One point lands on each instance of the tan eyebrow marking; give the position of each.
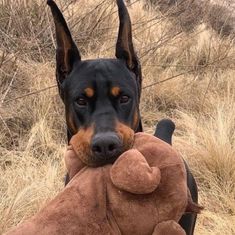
(115, 91)
(89, 92)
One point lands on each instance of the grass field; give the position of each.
(190, 59)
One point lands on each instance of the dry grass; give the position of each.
(199, 96)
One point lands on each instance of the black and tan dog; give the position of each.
(102, 97)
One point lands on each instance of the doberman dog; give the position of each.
(102, 96)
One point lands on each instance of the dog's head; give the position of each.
(101, 96)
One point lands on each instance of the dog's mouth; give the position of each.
(88, 157)
(101, 149)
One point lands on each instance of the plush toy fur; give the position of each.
(143, 192)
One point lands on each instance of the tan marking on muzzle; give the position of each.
(126, 135)
(81, 143)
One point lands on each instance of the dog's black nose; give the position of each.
(106, 145)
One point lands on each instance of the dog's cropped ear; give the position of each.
(66, 52)
(124, 47)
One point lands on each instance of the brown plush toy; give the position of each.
(143, 192)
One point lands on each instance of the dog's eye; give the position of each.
(124, 99)
(81, 102)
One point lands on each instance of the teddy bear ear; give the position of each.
(132, 173)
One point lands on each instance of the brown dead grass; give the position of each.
(199, 96)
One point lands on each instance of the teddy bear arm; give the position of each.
(169, 227)
(132, 173)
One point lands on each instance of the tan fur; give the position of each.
(71, 123)
(81, 143)
(89, 92)
(126, 134)
(115, 91)
(135, 120)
